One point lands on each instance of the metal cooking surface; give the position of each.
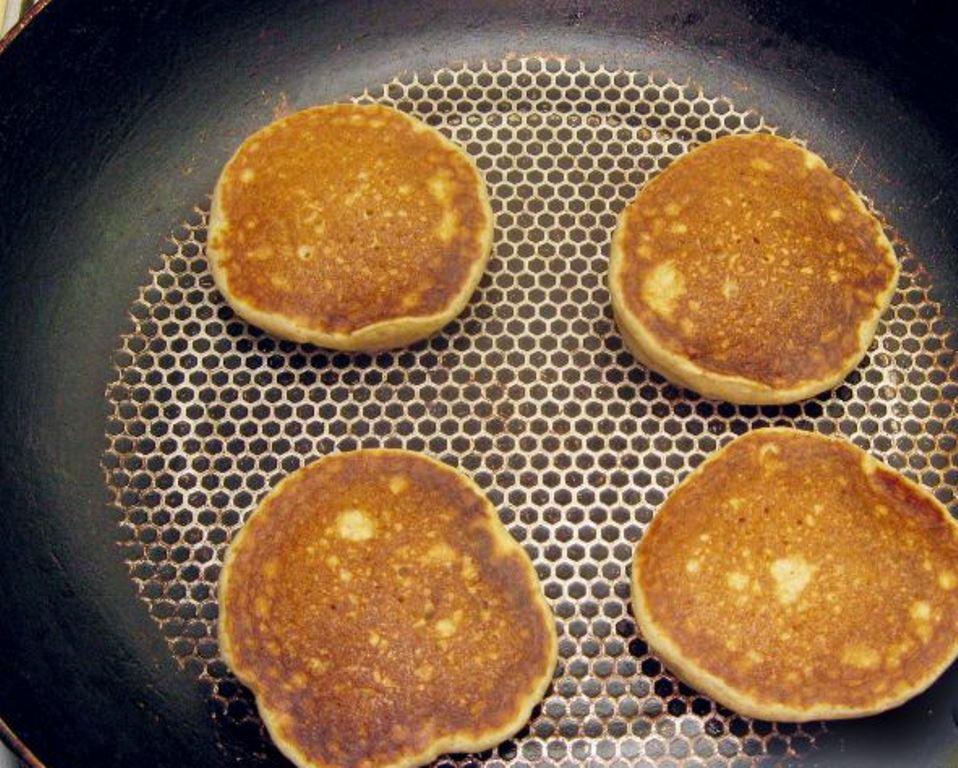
(529, 391)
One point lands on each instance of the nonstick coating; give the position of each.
(114, 121)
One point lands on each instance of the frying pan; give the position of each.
(115, 119)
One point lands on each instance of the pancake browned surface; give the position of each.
(382, 614)
(750, 272)
(793, 577)
(352, 227)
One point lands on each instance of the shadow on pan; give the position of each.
(115, 119)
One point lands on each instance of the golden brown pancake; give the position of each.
(793, 577)
(749, 272)
(351, 227)
(383, 615)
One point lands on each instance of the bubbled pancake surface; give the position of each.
(793, 577)
(382, 614)
(338, 218)
(748, 260)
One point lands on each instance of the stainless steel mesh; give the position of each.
(529, 391)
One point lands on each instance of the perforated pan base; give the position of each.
(530, 391)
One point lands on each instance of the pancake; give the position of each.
(750, 272)
(382, 614)
(351, 227)
(793, 577)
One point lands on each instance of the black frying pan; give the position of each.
(115, 119)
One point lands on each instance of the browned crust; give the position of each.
(720, 589)
(440, 639)
(780, 273)
(349, 226)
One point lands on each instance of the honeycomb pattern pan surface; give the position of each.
(530, 391)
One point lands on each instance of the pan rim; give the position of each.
(7, 736)
(17, 28)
